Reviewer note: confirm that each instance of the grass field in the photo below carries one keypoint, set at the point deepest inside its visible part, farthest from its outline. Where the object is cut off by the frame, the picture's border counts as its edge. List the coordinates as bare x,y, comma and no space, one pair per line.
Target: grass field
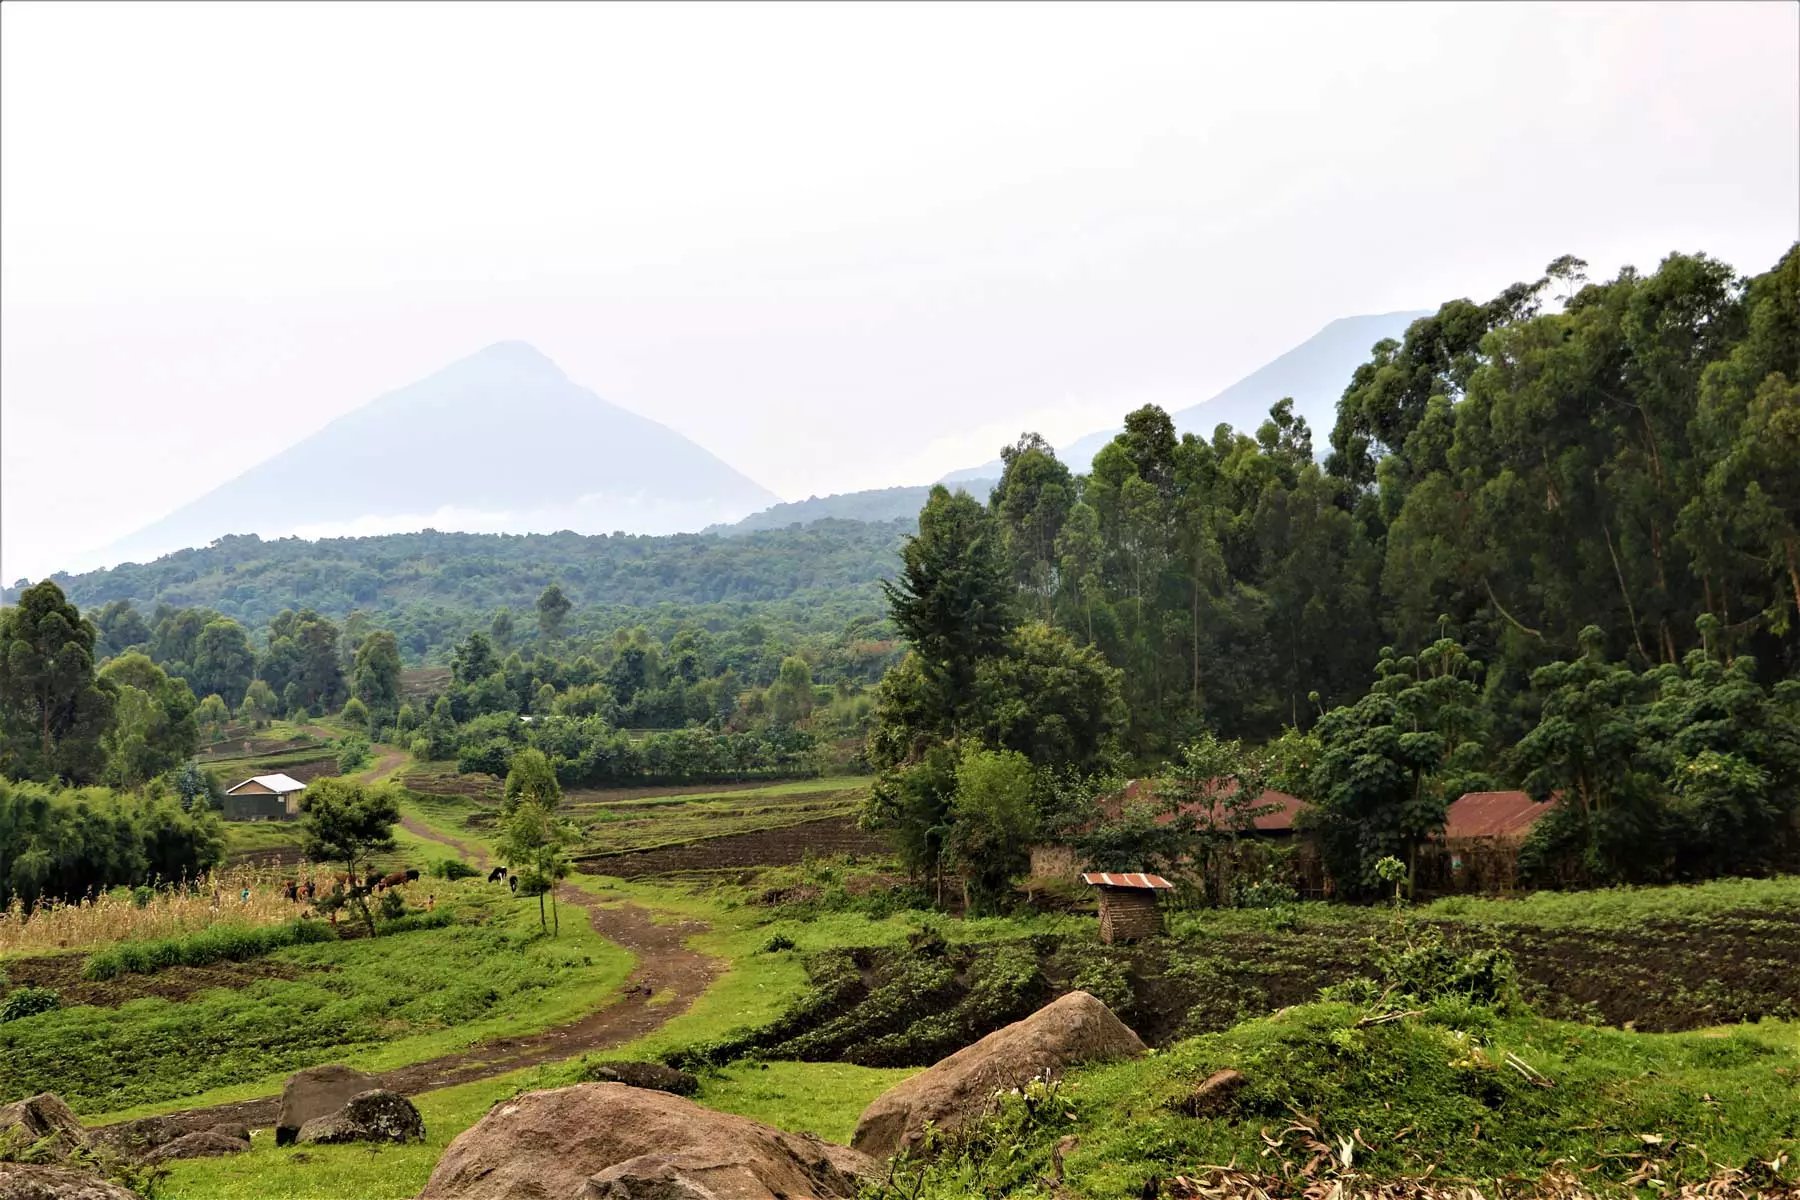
371,1003
616,820
613,821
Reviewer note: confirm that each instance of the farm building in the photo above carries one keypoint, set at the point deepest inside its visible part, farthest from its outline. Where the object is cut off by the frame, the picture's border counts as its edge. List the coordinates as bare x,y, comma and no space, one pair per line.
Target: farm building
1273,823
264,798
1128,904
1479,848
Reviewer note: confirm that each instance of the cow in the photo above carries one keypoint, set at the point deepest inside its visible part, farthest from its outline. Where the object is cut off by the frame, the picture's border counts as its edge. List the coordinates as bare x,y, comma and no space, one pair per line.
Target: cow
496,875
412,874
393,881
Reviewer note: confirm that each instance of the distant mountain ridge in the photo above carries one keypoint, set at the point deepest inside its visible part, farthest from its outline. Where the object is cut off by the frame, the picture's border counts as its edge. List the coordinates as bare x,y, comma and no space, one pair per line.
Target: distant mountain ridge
1315,373
876,504
500,441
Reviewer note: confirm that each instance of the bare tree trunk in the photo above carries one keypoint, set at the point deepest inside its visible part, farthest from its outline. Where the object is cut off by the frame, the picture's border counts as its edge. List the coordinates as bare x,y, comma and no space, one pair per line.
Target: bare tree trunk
1793,558
1630,609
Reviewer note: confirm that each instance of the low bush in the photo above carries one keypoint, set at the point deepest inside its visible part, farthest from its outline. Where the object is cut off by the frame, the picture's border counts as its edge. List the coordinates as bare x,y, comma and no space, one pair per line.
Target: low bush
452,868
220,943
28,1002
436,919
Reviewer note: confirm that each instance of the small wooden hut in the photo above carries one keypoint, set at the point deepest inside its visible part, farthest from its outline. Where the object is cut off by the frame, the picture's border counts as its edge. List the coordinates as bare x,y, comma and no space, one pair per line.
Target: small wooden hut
1128,908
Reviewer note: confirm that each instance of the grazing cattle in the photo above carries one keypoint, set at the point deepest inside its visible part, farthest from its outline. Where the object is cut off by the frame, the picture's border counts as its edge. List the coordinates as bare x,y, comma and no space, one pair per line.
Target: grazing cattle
412,875
394,880
512,881
496,875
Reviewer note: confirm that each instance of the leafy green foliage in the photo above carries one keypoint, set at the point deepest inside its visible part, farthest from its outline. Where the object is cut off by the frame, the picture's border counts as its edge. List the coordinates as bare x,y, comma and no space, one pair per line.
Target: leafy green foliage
343,822
992,820
53,711
1390,764
432,589
28,1002
1676,772
62,844
353,753
216,943
154,726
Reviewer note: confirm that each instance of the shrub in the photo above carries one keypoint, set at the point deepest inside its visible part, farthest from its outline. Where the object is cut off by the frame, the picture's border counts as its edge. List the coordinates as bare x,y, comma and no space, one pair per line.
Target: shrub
393,905
353,754
28,1002
453,868
419,920
220,943
778,943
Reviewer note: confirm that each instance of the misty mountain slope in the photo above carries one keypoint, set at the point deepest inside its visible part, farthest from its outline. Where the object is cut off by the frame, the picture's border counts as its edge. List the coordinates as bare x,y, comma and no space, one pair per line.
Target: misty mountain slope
1315,373
501,441
876,504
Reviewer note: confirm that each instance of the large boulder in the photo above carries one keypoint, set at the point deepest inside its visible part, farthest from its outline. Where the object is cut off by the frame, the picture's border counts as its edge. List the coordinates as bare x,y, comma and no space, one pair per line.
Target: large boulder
607,1141
654,1076
1077,1028
45,1181
377,1115
202,1143
41,1118
317,1092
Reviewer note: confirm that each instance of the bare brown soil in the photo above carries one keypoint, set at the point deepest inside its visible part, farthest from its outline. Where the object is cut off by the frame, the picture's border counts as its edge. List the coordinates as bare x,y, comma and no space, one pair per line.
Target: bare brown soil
783,846
614,795
666,968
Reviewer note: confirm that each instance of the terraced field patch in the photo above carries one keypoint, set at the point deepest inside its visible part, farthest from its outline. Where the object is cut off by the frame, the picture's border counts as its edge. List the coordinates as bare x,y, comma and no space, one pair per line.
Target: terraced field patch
615,821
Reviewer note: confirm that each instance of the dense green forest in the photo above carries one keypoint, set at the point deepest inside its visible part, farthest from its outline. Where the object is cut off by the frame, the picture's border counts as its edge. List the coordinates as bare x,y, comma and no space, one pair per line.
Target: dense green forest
431,589
1622,455
1556,543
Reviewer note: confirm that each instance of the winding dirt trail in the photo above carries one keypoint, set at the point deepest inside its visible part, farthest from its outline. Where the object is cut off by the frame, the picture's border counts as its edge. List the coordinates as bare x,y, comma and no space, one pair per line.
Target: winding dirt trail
468,850
666,967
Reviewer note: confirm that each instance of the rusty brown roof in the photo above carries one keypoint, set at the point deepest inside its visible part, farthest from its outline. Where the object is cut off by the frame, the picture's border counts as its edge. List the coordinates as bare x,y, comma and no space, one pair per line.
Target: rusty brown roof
1279,817
1131,879
1506,815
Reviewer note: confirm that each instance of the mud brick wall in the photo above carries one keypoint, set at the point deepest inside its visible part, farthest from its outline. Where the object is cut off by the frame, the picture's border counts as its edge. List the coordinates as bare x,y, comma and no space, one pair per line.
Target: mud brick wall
1128,914
1054,862
761,848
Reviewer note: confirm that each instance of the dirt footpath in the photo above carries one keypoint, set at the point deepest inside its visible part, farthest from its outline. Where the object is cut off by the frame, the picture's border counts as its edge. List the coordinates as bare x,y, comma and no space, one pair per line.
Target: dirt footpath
467,850
666,968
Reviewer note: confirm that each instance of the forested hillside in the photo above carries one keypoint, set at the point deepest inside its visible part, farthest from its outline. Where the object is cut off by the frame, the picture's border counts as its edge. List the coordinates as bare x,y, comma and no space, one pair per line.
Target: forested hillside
1514,472
432,588
1554,545
876,504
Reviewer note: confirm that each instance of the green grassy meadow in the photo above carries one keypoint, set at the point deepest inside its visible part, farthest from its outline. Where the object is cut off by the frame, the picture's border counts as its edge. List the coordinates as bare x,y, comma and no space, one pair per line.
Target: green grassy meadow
371,1003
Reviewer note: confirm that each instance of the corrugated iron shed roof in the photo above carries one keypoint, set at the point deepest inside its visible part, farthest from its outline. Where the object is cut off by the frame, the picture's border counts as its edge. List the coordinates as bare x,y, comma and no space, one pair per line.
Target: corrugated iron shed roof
1494,815
1132,879
279,784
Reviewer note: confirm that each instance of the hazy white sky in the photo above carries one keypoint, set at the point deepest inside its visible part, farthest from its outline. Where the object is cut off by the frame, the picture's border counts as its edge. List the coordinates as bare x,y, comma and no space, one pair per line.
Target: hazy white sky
841,246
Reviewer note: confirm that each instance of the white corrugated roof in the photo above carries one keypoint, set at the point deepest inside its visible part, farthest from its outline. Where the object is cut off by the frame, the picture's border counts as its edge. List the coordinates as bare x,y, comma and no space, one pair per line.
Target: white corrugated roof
1134,879
279,784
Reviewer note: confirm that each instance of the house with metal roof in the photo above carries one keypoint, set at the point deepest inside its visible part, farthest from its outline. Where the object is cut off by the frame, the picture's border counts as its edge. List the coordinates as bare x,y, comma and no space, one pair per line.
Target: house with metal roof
264,798
1478,849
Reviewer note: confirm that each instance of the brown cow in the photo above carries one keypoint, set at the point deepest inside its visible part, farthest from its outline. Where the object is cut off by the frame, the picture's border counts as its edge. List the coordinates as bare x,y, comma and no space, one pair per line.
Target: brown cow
394,880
